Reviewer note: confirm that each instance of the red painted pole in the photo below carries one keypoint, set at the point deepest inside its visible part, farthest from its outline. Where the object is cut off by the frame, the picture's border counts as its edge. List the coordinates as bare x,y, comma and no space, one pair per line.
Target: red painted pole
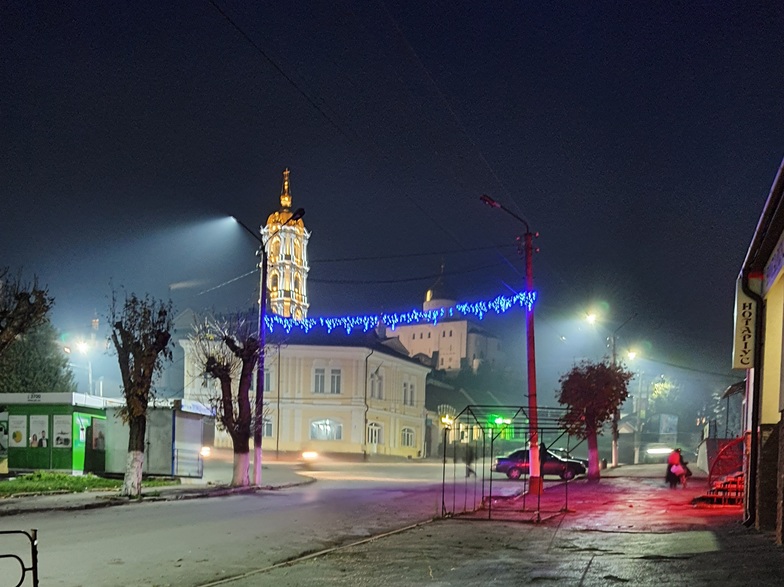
535,481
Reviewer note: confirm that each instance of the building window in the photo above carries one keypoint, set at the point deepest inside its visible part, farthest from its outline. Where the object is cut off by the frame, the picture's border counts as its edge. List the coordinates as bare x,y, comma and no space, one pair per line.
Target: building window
450,334
326,430
296,284
319,376
376,386
413,336
411,394
443,334
334,381
266,428
374,433
442,361
420,335
274,282
407,437
428,334
405,393
267,379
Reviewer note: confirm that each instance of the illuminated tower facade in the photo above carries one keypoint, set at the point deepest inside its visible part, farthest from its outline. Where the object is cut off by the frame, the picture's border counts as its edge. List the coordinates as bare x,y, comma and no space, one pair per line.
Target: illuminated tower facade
286,243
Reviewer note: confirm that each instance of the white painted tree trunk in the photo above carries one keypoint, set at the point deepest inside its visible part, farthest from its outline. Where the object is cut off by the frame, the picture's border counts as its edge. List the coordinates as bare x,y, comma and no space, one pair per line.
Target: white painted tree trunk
241,463
132,482
257,464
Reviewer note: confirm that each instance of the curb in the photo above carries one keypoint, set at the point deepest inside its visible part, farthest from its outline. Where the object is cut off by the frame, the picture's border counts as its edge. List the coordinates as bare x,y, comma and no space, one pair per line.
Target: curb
115,500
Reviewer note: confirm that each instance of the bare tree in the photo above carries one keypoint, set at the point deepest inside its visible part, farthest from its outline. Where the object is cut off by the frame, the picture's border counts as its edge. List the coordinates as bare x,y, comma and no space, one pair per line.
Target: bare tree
23,306
227,348
592,392
141,333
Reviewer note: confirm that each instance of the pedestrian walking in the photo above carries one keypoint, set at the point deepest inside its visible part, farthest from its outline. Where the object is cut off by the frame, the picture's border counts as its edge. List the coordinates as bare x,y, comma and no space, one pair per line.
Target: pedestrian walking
469,461
677,471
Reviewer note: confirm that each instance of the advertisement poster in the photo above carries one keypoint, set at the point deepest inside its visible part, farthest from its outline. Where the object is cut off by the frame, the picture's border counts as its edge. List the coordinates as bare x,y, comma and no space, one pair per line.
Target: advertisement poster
3,434
62,431
17,431
39,431
99,434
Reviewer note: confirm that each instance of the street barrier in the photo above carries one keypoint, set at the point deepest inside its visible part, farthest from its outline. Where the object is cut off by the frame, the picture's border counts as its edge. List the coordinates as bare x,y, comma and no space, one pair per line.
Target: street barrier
32,536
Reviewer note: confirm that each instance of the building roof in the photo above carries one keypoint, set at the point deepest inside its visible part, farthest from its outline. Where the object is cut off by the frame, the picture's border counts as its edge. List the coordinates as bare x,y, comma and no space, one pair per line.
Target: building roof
769,228
339,338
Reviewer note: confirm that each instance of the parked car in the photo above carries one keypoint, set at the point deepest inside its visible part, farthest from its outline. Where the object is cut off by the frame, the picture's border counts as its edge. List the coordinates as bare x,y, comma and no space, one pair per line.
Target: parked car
565,454
515,465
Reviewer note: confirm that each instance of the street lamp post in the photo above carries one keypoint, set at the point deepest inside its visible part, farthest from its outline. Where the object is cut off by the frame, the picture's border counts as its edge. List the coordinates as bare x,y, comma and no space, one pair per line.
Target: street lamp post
617,413
259,405
534,463
84,348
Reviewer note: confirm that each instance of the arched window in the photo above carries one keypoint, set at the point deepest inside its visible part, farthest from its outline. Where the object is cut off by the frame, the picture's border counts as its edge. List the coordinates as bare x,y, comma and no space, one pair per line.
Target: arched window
274,282
296,284
297,252
275,248
374,433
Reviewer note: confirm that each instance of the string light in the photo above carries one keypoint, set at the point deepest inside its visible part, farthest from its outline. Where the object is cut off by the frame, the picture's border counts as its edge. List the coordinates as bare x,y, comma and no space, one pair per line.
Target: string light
497,305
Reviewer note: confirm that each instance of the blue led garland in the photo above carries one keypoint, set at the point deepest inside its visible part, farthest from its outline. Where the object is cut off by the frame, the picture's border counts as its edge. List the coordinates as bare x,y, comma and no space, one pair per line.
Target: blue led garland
499,305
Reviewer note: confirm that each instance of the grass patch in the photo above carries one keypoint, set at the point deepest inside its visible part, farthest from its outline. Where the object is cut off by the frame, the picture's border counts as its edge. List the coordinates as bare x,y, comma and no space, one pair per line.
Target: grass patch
45,482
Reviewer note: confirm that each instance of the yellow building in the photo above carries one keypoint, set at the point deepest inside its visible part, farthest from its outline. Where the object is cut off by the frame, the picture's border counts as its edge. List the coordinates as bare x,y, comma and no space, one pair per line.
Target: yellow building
334,393
758,348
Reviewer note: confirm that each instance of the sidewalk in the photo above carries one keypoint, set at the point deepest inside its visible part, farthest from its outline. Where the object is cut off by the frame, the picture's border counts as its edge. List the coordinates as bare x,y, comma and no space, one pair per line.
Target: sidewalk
629,528
274,476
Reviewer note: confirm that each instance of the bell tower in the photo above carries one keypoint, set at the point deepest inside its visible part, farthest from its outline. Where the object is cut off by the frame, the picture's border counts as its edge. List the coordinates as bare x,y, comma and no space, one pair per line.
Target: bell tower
286,243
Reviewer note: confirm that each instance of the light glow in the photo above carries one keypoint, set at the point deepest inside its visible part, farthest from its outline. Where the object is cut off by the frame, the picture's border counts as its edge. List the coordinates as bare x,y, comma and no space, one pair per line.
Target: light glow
659,451
497,305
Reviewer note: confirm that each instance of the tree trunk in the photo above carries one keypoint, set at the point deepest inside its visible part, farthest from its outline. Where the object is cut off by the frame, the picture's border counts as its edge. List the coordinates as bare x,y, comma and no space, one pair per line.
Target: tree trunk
593,456
132,483
240,476
257,463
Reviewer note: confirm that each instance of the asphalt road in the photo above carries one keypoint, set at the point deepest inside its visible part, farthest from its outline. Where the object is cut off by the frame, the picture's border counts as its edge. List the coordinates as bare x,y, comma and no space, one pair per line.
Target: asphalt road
190,543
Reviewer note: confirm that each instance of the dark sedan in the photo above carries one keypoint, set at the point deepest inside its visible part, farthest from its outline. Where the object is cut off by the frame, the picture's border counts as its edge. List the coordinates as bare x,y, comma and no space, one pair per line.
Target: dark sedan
516,465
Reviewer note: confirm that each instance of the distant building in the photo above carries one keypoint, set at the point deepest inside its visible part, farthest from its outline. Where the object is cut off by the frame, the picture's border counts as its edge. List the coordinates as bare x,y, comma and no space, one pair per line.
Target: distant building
450,345
286,243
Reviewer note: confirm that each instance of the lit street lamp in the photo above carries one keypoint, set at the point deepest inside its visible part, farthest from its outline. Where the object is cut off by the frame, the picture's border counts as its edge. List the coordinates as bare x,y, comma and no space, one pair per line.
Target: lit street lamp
535,478
84,348
259,407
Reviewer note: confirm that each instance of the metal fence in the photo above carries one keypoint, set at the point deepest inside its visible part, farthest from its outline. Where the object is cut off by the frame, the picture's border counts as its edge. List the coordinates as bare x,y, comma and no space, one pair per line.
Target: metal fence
14,540
472,441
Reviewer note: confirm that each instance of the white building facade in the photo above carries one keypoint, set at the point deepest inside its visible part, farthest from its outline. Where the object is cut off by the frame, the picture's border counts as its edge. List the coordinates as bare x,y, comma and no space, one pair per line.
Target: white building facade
363,400
449,345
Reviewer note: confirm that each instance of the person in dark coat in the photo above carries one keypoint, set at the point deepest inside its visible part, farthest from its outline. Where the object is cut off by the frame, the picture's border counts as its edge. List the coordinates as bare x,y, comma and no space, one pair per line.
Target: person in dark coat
676,469
469,461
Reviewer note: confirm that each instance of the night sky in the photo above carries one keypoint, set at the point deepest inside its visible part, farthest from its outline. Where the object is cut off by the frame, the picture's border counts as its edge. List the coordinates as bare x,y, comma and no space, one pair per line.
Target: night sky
639,138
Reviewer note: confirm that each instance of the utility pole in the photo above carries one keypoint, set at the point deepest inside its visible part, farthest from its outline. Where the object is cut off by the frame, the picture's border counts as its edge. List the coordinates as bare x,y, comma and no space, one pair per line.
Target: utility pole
534,462
617,414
